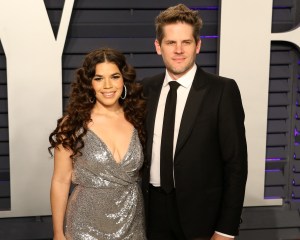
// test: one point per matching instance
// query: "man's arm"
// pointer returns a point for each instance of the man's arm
(234, 155)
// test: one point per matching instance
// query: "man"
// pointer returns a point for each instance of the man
(196, 159)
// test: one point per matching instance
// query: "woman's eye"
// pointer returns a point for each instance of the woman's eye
(97, 78)
(115, 77)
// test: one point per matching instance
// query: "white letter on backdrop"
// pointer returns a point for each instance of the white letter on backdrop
(245, 42)
(34, 86)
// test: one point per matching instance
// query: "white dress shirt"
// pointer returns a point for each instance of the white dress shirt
(182, 93)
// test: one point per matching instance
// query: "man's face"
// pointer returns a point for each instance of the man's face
(178, 48)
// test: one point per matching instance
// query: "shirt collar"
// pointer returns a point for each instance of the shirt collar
(185, 81)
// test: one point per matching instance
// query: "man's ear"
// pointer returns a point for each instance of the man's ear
(198, 46)
(157, 47)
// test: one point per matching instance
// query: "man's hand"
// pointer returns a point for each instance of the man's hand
(217, 236)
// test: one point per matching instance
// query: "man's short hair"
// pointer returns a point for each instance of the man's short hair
(178, 13)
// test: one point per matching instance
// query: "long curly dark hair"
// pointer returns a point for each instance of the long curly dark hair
(72, 126)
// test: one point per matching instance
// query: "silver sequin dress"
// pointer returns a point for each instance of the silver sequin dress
(107, 201)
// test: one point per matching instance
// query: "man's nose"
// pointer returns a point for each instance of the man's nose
(178, 48)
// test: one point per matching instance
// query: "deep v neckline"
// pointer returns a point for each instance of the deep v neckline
(108, 149)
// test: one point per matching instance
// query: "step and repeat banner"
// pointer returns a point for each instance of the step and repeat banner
(34, 85)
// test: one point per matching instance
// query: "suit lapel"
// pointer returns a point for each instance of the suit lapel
(191, 109)
(152, 102)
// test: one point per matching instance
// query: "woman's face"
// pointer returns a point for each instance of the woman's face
(108, 84)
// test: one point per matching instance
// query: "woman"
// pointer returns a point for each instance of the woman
(98, 146)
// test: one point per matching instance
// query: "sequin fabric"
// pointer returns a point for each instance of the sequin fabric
(107, 201)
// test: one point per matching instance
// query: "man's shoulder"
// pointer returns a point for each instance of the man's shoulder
(213, 78)
(211, 75)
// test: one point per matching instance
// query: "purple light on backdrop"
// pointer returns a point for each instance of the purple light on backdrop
(273, 159)
(296, 133)
(216, 8)
(205, 8)
(273, 197)
(209, 36)
(296, 199)
(293, 182)
(281, 7)
(273, 170)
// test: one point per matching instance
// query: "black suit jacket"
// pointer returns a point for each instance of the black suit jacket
(210, 163)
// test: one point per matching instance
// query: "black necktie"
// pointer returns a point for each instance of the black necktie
(166, 147)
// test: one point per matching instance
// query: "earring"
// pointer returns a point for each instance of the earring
(92, 99)
(125, 92)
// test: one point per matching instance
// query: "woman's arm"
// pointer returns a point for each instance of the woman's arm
(60, 187)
